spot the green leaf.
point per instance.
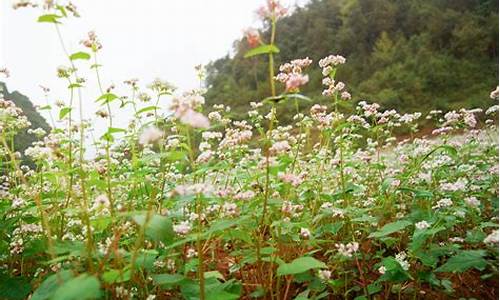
(300, 265)
(45, 107)
(213, 274)
(63, 112)
(62, 10)
(106, 98)
(80, 288)
(79, 55)
(282, 97)
(158, 228)
(50, 18)
(14, 288)
(112, 130)
(167, 279)
(116, 276)
(386, 184)
(393, 271)
(263, 49)
(74, 85)
(146, 109)
(259, 292)
(223, 225)
(51, 284)
(174, 155)
(145, 259)
(418, 193)
(390, 228)
(420, 237)
(374, 288)
(465, 260)
(447, 148)
(298, 97)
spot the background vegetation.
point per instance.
(410, 55)
(24, 139)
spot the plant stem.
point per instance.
(199, 245)
(271, 58)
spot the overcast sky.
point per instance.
(141, 39)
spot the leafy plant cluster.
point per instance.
(183, 205)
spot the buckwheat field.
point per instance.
(342, 198)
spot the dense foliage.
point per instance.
(179, 205)
(412, 55)
(25, 139)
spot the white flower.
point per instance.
(191, 253)
(333, 60)
(422, 225)
(492, 238)
(456, 239)
(205, 156)
(459, 185)
(291, 178)
(183, 228)
(337, 212)
(347, 250)
(184, 110)
(279, 147)
(472, 201)
(244, 195)
(18, 202)
(150, 135)
(382, 270)
(324, 274)
(494, 94)
(100, 202)
(401, 258)
(345, 95)
(230, 209)
(193, 119)
(443, 203)
(492, 109)
(305, 233)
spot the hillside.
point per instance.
(23, 140)
(410, 55)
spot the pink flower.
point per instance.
(292, 179)
(244, 195)
(150, 136)
(183, 228)
(191, 117)
(305, 233)
(272, 9)
(279, 148)
(253, 37)
(92, 41)
(295, 81)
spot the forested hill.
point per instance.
(405, 54)
(23, 139)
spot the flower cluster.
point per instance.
(291, 74)
(348, 249)
(272, 10)
(184, 108)
(92, 41)
(253, 37)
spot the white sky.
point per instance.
(141, 39)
